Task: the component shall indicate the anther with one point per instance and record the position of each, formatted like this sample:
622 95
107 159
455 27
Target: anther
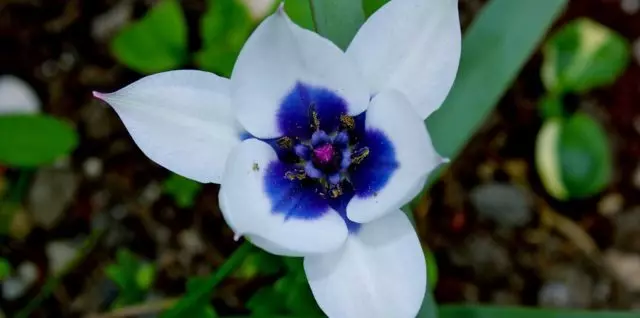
335 191
315 121
295 175
348 121
359 155
285 142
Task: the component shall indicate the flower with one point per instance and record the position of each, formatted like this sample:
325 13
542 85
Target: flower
316 149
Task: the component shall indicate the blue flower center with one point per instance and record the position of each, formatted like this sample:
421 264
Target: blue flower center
325 156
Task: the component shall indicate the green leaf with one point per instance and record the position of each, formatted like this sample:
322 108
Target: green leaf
265 302
259 263
5 268
585 156
521 312
429 307
432 269
573 157
156 43
551 106
145 276
371 6
34 140
300 12
224 28
583 55
183 190
338 20
493 52
133 277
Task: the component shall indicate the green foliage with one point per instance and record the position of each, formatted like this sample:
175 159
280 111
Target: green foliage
337 20
573 157
155 43
224 28
300 12
133 277
5 268
371 6
290 295
432 269
259 263
182 190
201 307
34 140
583 55
492 55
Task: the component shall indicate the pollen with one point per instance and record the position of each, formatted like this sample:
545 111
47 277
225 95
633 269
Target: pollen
285 143
358 156
347 121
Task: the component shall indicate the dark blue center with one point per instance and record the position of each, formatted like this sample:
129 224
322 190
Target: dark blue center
325 156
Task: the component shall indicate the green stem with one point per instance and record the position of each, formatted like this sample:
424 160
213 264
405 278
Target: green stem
203 293
52 283
19 189
313 15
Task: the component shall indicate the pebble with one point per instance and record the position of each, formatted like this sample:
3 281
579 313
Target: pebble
16 285
107 24
92 168
630 6
60 254
488 259
625 267
503 203
566 287
627 230
17 96
50 195
610 204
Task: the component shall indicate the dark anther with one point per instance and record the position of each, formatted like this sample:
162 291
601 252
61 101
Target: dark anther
315 121
359 155
295 175
285 143
347 121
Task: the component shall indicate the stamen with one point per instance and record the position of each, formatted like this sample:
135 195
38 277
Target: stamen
285 142
359 155
335 191
295 175
315 121
348 121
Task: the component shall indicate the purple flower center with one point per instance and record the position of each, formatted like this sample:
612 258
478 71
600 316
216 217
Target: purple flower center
324 154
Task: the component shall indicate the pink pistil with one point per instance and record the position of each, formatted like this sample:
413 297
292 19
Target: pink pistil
324 154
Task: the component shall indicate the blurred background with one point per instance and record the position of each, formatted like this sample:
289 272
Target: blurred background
541 208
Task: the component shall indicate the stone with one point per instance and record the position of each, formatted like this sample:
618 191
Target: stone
566 287
50 195
16 285
17 96
60 254
625 267
503 203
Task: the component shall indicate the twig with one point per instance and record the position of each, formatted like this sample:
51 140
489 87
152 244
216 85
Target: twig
53 282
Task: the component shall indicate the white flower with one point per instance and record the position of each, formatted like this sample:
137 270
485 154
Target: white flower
316 149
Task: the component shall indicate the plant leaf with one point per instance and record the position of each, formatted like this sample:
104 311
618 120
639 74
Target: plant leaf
34 140
183 190
338 20
583 55
493 52
156 43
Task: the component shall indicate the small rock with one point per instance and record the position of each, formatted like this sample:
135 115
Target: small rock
107 24
95 116
92 168
190 240
627 230
503 203
60 254
96 295
610 204
16 96
151 193
488 259
625 267
630 6
16 285
50 194
567 287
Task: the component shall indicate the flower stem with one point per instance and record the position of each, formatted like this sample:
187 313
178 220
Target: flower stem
204 292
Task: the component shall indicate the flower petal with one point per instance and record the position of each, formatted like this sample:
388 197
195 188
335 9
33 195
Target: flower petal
380 272
277 56
412 46
380 185
180 119
16 96
294 225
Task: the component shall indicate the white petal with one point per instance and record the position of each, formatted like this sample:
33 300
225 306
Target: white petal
391 113
277 56
17 97
412 46
380 272
247 208
180 119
